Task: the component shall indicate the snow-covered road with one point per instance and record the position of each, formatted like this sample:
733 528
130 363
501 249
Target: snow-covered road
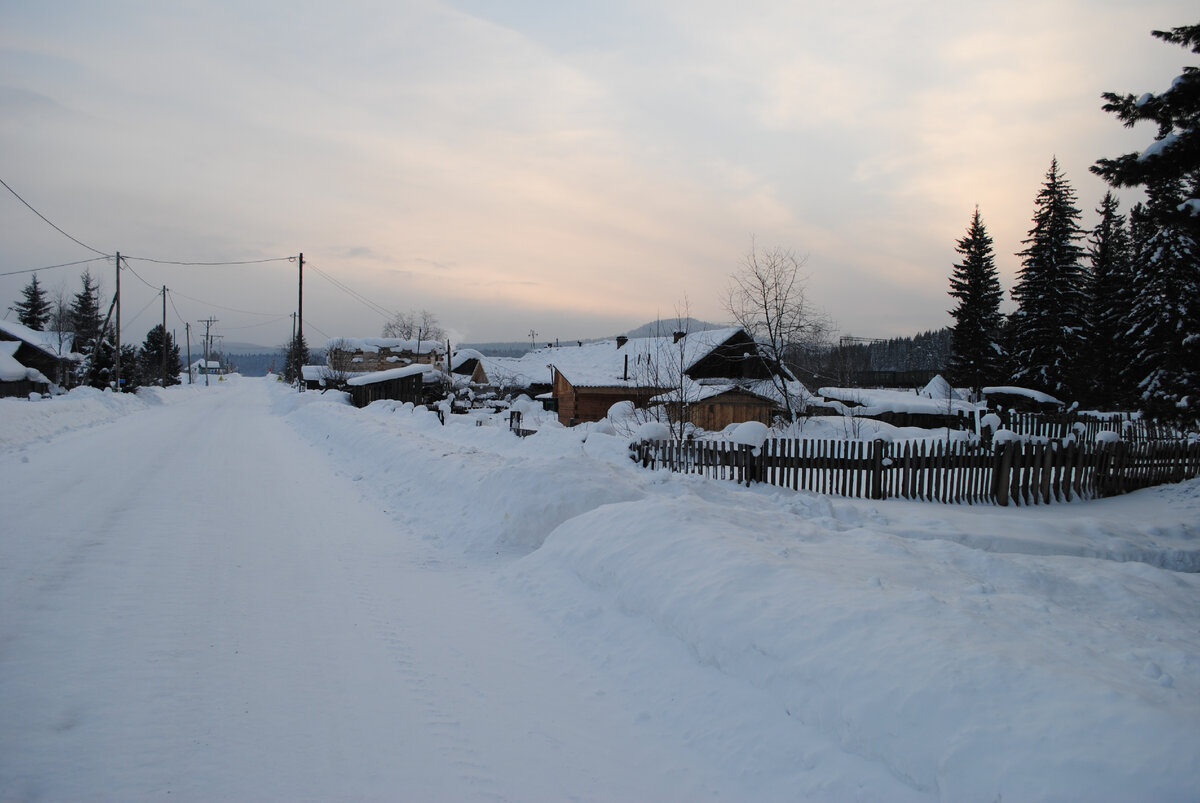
199 606
244 593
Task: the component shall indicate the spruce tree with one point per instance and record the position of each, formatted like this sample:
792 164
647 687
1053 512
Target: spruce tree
1050 294
34 310
1110 296
150 358
976 357
295 358
85 314
1164 318
1164 315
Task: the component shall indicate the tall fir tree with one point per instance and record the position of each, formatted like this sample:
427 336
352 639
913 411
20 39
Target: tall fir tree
34 310
150 358
85 314
1108 352
1164 316
976 357
295 359
1050 292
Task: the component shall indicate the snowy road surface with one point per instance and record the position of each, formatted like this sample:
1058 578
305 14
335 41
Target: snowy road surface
200 607
241 593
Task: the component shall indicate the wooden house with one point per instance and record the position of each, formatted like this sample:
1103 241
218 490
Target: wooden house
48 353
17 379
589 379
372 354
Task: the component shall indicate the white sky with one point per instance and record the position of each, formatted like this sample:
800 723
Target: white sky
573 168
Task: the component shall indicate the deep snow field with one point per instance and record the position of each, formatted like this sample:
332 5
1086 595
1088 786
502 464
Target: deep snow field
797 646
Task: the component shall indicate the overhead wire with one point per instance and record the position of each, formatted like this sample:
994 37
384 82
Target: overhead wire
210 264
142 310
231 309
379 309
375 307
139 278
52 267
50 223
314 326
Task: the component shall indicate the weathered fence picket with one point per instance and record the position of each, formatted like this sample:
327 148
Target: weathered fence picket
1018 473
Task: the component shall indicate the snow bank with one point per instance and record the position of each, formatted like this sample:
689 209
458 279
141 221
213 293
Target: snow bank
969 675
894 650
23 421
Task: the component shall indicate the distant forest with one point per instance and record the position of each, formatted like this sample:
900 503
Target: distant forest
867 362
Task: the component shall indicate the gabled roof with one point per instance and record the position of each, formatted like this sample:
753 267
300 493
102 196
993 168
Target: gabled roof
46 342
694 392
603 364
11 369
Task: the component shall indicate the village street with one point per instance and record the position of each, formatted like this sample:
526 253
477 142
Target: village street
239 592
195 604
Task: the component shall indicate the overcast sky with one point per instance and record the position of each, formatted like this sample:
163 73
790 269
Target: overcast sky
574 168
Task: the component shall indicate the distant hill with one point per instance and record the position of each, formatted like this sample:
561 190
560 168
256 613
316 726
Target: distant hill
669 326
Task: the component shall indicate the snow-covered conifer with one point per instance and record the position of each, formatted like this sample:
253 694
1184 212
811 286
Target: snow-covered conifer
1047 328
976 358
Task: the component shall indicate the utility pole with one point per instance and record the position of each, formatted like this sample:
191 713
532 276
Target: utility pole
299 326
164 337
117 355
207 323
187 332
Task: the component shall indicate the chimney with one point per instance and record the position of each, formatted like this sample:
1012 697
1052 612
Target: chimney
621 340
679 336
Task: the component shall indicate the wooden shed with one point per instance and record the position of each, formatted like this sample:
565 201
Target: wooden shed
399 384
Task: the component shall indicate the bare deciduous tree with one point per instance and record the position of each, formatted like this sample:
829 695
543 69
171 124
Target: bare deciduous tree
338 367
767 297
412 325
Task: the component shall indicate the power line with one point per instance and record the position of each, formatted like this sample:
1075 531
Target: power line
52 267
309 324
229 309
373 306
255 325
210 264
47 220
135 273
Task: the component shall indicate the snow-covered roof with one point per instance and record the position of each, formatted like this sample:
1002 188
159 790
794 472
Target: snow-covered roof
373 345
700 391
47 342
392 373
531 368
463 355
11 369
603 364
875 400
1012 390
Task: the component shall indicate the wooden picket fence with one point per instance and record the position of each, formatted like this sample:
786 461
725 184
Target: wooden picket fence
956 472
1086 427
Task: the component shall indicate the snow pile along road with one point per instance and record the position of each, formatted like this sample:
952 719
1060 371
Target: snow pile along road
968 653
